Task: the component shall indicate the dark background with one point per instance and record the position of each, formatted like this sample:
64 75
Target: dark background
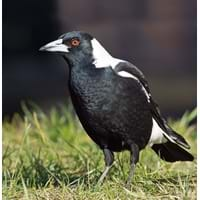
157 36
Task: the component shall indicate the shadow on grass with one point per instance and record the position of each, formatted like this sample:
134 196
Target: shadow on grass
37 173
173 179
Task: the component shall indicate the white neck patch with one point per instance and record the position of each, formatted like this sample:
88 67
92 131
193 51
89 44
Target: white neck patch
101 57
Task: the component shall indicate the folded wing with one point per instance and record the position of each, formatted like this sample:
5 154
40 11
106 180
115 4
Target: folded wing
128 69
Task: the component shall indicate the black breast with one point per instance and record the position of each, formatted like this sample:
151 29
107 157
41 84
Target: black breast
113 110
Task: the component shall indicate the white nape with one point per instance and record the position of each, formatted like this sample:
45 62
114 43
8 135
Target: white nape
157 135
101 57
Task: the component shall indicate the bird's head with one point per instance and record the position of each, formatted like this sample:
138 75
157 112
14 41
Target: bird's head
78 48
75 46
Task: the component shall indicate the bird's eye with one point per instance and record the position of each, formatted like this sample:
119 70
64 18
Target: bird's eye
75 42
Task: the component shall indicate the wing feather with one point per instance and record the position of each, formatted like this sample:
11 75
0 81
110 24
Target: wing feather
170 134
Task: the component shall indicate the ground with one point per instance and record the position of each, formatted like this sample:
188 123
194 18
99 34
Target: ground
49 156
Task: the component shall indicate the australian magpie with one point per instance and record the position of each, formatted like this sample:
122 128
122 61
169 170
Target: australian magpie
114 104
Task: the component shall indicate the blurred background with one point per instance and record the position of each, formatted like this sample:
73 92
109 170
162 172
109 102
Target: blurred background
157 36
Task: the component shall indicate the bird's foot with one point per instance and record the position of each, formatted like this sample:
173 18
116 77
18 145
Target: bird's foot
103 175
128 185
128 182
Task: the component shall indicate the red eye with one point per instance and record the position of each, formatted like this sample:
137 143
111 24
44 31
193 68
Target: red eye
75 42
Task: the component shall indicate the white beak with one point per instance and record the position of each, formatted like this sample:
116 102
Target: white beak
55 46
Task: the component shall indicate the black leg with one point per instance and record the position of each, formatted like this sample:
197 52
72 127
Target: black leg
133 160
109 158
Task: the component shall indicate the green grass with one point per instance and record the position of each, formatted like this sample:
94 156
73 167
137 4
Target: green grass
48 156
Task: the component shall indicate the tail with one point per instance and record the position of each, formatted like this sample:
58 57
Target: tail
171 152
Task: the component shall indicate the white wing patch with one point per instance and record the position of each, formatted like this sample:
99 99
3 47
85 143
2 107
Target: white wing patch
157 135
128 75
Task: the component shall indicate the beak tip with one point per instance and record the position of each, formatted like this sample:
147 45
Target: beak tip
42 48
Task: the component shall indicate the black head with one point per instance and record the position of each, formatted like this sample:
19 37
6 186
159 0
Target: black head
75 46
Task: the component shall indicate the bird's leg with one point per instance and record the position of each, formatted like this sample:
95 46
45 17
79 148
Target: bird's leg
109 158
133 160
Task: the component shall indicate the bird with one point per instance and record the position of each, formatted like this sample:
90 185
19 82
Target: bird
114 104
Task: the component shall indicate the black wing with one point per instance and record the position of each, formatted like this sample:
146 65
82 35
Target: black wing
168 132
